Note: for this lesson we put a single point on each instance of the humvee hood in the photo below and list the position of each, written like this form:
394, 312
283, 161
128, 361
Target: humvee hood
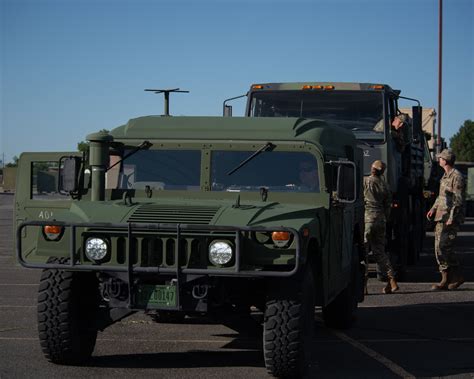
202, 213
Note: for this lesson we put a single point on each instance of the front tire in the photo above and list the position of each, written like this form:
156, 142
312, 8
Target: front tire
288, 329
68, 304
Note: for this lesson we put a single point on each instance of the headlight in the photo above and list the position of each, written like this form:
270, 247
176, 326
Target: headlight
96, 248
220, 252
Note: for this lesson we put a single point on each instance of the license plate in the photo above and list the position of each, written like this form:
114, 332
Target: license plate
154, 296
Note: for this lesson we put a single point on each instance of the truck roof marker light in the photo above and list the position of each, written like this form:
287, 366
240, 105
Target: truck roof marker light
318, 87
52, 232
281, 239
378, 86
329, 87
307, 87
257, 86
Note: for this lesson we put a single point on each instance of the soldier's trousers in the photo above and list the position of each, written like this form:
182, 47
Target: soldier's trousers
375, 237
444, 239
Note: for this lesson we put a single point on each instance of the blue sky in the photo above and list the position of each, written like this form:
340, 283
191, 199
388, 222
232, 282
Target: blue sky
72, 67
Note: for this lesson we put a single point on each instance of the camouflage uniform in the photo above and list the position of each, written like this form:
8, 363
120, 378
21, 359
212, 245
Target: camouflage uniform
449, 205
377, 199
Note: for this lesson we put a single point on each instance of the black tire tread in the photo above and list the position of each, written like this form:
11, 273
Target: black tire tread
63, 315
281, 337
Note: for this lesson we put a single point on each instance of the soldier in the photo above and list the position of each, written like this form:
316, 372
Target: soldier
308, 175
398, 131
377, 198
448, 212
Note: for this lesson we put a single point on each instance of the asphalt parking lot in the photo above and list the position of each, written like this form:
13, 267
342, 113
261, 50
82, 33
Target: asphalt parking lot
413, 333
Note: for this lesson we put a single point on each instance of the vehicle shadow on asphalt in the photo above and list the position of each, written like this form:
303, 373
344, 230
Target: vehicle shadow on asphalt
188, 359
412, 337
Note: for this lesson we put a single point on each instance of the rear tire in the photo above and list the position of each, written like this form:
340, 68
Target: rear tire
288, 328
68, 304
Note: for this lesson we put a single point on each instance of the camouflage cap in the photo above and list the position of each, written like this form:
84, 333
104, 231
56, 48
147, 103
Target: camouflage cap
447, 154
378, 165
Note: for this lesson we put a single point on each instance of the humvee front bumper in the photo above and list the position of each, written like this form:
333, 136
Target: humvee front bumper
131, 230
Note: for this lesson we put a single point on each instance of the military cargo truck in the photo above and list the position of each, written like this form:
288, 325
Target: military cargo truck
367, 110
187, 216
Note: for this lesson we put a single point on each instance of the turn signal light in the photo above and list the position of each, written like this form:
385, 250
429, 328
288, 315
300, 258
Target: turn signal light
328, 87
257, 86
281, 239
307, 87
378, 86
53, 232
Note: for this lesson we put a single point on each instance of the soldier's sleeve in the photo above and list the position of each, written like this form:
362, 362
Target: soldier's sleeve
388, 202
458, 189
435, 204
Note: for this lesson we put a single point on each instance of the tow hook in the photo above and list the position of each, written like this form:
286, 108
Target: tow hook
114, 289
200, 291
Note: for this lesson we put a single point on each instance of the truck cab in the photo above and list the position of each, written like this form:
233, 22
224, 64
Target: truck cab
367, 110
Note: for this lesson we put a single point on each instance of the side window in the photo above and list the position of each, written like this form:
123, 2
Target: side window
44, 181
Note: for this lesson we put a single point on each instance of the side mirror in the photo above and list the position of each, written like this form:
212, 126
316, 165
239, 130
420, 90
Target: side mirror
227, 111
346, 189
69, 169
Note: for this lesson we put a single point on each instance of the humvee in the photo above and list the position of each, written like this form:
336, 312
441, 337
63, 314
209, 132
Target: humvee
181, 217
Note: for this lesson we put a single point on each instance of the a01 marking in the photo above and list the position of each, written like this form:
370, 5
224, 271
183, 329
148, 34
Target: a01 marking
45, 215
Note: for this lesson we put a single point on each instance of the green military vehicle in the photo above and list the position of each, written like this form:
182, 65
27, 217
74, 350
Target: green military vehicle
366, 109
192, 216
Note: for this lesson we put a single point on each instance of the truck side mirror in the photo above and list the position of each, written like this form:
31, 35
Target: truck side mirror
346, 189
69, 169
227, 111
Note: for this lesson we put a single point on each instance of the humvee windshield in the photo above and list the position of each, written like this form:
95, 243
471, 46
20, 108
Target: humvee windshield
360, 112
277, 171
162, 169
181, 170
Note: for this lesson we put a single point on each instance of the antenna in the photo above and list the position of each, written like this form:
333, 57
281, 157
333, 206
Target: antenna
166, 92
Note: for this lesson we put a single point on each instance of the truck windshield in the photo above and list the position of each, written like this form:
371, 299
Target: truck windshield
275, 170
162, 169
361, 112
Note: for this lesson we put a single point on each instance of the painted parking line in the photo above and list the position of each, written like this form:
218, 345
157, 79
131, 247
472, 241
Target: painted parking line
392, 366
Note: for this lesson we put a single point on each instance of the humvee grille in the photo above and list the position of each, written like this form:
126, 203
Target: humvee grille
170, 214
160, 251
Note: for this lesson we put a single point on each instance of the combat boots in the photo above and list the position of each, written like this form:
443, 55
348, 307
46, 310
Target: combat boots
391, 286
456, 278
443, 285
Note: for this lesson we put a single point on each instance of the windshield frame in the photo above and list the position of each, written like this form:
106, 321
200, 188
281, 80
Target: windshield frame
359, 136
206, 148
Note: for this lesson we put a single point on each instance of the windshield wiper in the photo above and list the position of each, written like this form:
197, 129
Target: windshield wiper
142, 146
267, 147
